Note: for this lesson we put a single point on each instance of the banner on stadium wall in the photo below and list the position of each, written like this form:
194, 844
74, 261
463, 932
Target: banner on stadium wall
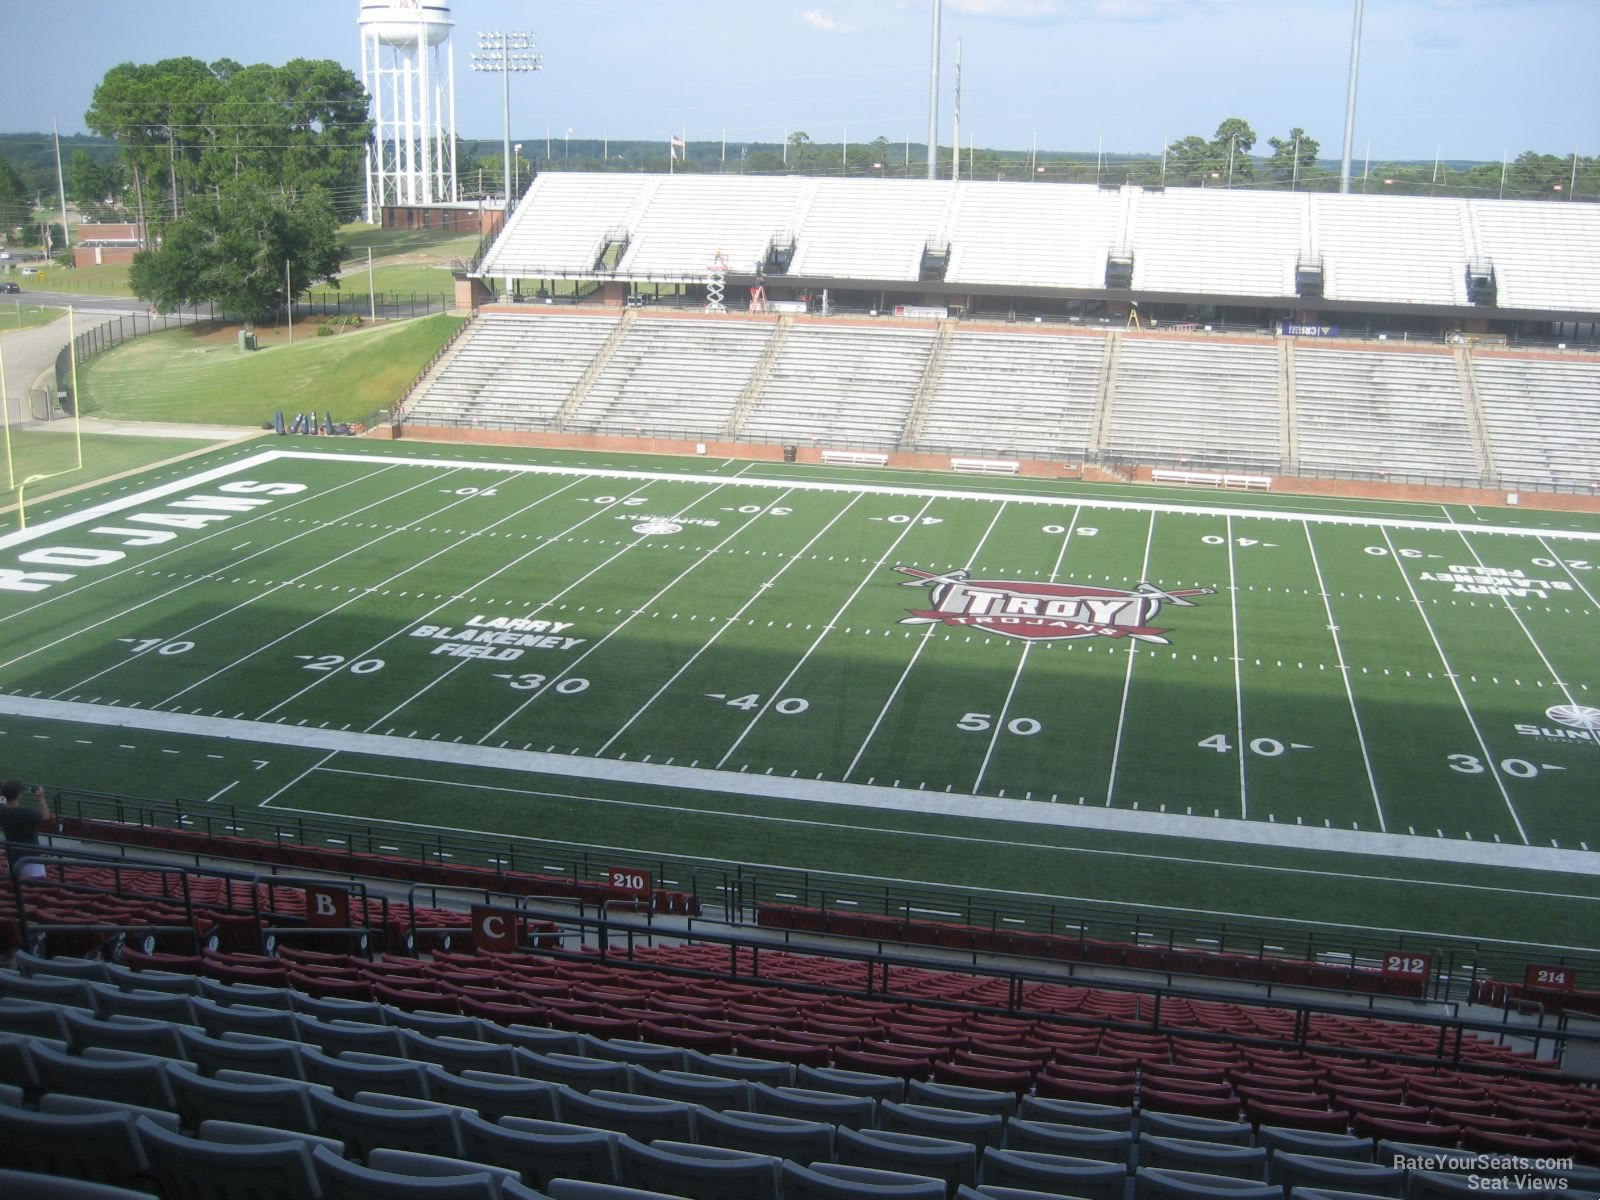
786, 306
921, 312
1288, 330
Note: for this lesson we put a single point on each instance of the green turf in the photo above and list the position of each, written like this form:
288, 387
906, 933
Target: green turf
106, 280
20, 315
764, 638
193, 374
54, 453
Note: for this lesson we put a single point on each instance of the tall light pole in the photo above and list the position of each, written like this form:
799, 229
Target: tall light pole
505, 53
933, 98
1350, 103
516, 168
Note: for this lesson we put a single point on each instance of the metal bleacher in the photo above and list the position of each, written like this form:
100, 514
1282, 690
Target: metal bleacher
1218, 242
513, 370
1018, 392
1195, 402
869, 228
1374, 413
1411, 250
672, 377
561, 224
1516, 237
847, 386
688, 225
1542, 419
1032, 235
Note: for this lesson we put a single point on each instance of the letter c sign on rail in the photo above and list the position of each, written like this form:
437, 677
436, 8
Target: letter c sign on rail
492, 929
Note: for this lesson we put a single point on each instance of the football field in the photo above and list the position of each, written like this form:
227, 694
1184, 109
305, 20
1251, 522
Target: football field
1242, 704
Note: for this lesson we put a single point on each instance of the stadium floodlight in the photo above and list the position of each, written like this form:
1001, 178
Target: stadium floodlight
506, 52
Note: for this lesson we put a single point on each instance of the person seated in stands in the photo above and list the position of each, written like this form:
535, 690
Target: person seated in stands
21, 827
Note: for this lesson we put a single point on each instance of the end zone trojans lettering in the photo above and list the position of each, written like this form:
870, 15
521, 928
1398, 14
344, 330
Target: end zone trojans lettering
195, 512
1043, 611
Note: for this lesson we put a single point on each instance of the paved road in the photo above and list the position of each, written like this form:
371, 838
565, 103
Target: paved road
30, 352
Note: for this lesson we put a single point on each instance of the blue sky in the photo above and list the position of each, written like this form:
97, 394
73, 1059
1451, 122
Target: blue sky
1472, 76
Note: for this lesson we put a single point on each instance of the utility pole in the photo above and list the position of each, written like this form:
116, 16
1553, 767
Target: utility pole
372, 296
288, 300
66, 230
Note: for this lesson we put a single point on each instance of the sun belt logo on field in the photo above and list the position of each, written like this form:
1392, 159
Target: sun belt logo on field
1579, 723
1042, 612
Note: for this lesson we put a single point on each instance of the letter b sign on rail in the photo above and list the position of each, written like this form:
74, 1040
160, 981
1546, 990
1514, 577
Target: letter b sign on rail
327, 908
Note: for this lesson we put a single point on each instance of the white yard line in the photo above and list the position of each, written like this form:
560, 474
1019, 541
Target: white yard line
228, 530
729, 624
299, 629
922, 644
1344, 672
1238, 669
1571, 574
456, 596
1027, 812
1022, 661
777, 692
622, 624
1488, 760
1127, 679
544, 604
1555, 676
208, 576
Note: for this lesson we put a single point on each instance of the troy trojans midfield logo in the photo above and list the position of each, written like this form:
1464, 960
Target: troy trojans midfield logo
1041, 612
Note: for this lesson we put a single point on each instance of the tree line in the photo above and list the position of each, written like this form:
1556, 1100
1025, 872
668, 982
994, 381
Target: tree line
240, 175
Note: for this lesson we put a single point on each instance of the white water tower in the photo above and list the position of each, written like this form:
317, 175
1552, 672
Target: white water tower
409, 71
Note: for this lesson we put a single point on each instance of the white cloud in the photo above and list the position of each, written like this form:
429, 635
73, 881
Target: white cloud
1011, 10
823, 22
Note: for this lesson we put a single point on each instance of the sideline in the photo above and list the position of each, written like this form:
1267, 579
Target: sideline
267, 457
467, 754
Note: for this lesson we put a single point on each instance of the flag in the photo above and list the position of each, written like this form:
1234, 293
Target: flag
678, 144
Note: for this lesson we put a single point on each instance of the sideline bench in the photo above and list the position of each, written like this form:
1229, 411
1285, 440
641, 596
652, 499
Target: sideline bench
854, 458
985, 466
1259, 483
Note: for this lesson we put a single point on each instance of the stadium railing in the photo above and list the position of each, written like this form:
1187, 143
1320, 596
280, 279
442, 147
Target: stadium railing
1274, 955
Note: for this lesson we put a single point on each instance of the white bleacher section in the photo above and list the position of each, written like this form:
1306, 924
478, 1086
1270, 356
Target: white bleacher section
1545, 256
1542, 420
842, 386
559, 226
1403, 250
1192, 402
1373, 412
869, 228
1217, 242
1376, 249
689, 222
1020, 393
672, 378
512, 371
1032, 234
